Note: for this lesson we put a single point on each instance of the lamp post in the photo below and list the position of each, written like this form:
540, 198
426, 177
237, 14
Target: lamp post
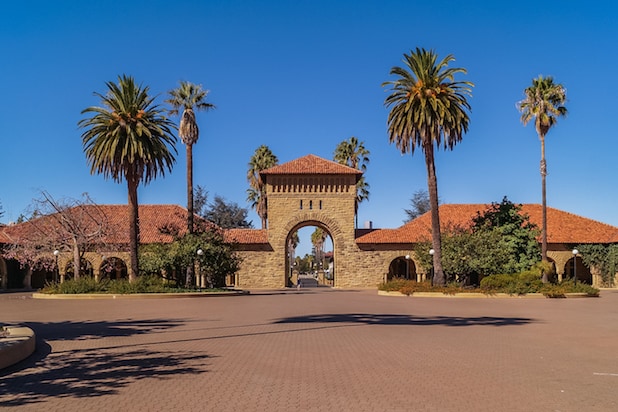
575, 252
57, 274
431, 252
407, 266
200, 282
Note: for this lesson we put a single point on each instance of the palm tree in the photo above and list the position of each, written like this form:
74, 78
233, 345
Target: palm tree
428, 107
318, 237
128, 138
544, 102
353, 153
262, 159
189, 97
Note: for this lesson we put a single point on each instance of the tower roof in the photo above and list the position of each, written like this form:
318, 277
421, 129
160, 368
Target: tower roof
311, 165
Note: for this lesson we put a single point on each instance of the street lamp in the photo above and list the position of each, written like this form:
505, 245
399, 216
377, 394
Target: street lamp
56, 253
431, 252
200, 282
575, 252
407, 266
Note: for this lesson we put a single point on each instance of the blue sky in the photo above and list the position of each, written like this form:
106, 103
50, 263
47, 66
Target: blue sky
301, 76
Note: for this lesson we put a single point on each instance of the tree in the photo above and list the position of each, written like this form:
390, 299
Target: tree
71, 225
216, 261
227, 215
129, 139
188, 97
515, 236
353, 153
318, 237
428, 107
200, 201
1, 211
500, 240
262, 159
420, 205
543, 102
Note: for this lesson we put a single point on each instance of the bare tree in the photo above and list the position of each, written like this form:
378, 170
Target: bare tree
69, 225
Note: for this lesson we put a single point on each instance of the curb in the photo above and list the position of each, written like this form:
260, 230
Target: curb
38, 295
483, 295
18, 343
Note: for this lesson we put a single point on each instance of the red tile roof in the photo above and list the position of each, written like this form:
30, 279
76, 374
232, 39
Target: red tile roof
562, 227
246, 236
311, 165
153, 218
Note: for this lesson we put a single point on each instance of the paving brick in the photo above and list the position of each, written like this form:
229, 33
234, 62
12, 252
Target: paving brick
316, 350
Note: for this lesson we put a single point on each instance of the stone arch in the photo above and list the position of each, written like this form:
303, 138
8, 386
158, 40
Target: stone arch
113, 267
320, 220
575, 266
402, 267
86, 268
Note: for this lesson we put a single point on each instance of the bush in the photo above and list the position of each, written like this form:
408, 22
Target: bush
143, 284
561, 289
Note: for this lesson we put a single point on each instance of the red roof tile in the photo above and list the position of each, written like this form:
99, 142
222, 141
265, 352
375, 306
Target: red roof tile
311, 164
562, 227
152, 219
246, 236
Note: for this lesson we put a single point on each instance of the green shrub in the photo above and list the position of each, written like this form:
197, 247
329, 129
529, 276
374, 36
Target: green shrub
143, 284
561, 289
493, 283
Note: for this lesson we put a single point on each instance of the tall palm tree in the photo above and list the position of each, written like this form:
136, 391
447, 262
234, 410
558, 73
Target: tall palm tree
128, 138
262, 159
428, 107
318, 237
544, 102
189, 97
353, 153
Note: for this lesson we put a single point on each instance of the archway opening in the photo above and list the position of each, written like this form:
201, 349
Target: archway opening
402, 267
85, 269
113, 268
310, 256
575, 268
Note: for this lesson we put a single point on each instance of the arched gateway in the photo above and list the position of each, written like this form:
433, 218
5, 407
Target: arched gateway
309, 191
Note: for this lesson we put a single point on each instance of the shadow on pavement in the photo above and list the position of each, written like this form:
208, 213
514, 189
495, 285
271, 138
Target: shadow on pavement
88, 372
390, 319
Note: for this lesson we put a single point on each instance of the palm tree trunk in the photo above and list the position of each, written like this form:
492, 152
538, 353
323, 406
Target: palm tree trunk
76, 261
436, 239
543, 205
189, 188
132, 184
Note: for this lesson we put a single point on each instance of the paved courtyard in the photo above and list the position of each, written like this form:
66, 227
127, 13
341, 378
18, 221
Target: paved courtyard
315, 350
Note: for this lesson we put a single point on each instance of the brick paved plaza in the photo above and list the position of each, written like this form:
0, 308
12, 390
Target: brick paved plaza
315, 350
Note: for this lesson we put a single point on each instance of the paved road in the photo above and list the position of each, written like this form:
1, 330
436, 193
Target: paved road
317, 350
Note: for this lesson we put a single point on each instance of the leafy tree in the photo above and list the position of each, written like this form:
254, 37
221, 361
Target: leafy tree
420, 205
200, 201
129, 139
188, 97
515, 236
262, 159
428, 107
501, 240
353, 153
217, 258
227, 215
544, 102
